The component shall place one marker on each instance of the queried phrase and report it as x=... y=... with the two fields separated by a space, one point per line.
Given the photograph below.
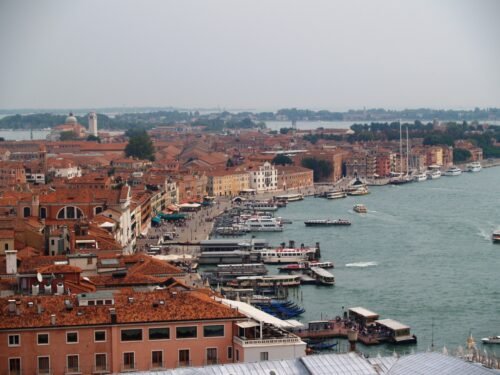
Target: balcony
x=212 y=361
x=44 y=371
x=184 y=364
x=72 y=370
x=102 y=369
x=155 y=366
x=129 y=367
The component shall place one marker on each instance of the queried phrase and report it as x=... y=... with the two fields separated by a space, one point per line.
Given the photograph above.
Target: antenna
x=39 y=277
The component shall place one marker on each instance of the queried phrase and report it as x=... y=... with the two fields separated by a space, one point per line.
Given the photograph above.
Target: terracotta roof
x=58 y=268
x=6 y=234
x=154 y=267
x=182 y=306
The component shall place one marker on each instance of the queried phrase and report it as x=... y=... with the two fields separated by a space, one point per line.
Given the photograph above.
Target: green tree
x=140 y=146
x=68 y=136
x=460 y=155
x=93 y=138
x=321 y=168
x=282 y=160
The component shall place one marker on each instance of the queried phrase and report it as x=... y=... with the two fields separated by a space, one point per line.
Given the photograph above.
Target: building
x=294 y=177
x=227 y=182
x=93 y=124
x=263 y=177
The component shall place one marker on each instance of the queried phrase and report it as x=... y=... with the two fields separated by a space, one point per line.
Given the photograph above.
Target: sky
x=255 y=55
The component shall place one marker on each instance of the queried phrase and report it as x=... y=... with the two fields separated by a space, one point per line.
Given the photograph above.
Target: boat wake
x=362 y=264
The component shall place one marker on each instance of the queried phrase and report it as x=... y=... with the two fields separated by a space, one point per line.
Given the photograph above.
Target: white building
x=264 y=178
x=93 y=124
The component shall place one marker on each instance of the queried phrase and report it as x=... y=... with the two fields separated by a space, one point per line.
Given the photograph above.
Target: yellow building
x=227 y=182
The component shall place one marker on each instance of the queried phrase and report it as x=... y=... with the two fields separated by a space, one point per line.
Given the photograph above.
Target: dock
x=336 y=330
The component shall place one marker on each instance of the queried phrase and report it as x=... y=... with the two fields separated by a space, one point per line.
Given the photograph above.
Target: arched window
x=43 y=213
x=26 y=211
x=98 y=210
x=69 y=212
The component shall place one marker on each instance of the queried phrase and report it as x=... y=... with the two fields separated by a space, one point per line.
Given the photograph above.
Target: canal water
x=422 y=255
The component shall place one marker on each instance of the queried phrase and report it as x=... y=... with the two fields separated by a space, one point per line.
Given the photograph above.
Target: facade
x=264 y=177
x=227 y=182
x=12 y=173
x=294 y=177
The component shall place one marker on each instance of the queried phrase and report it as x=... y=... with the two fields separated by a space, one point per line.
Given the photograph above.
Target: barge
x=326 y=222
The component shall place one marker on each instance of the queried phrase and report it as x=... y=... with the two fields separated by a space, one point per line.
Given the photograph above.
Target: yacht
x=420 y=177
x=491 y=340
x=262 y=224
x=453 y=171
x=475 y=166
x=336 y=195
x=360 y=208
x=495 y=237
x=433 y=174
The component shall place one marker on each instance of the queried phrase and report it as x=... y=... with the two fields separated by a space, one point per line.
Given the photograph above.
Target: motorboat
x=453 y=171
x=336 y=195
x=475 y=166
x=359 y=191
x=420 y=177
x=491 y=340
x=360 y=208
x=326 y=222
x=400 y=180
x=262 y=224
x=290 y=197
x=434 y=174
x=286 y=255
x=495 y=237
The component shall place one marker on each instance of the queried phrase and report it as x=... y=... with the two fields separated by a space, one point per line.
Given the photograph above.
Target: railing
x=103 y=369
x=129 y=367
x=284 y=340
x=184 y=364
x=213 y=361
x=44 y=371
x=157 y=366
x=72 y=370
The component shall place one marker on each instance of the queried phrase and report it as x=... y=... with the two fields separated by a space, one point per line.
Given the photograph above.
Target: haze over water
x=423 y=252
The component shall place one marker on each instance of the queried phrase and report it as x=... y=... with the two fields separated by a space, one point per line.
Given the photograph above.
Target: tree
x=229 y=163
x=68 y=136
x=321 y=168
x=282 y=160
x=140 y=146
x=93 y=138
x=461 y=154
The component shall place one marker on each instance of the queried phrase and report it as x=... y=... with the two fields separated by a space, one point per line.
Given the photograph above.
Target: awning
x=248 y=324
x=172 y=207
x=189 y=205
x=156 y=220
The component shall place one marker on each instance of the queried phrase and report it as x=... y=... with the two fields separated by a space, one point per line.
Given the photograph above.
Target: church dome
x=71 y=120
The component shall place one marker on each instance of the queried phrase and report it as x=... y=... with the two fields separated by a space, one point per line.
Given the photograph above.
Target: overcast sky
x=250 y=54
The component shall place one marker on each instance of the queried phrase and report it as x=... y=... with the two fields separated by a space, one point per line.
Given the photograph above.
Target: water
x=421 y=253
x=23 y=135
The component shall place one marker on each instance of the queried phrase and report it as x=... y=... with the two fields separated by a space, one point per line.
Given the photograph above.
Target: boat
x=360 y=208
x=290 y=197
x=262 y=224
x=261 y=206
x=266 y=281
x=321 y=345
x=336 y=195
x=287 y=255
x=453 y=171
x=400 y=180
x=326 y=222
x=359 y=191
x=433 y=174
x=495 y=237
x=395 y=332
x=475 y=166
x=491 y=340
x=420 y=177
x=322 y=276
x=302 y=266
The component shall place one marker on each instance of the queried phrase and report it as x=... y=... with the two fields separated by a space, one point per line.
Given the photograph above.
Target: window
x=69 y=212
x=71 y=337
x=99 y=336
x=237 y=355
x=264 y=356
x=43 y=365
x=184 y=357
x=129 y=361
x=14 y=366
x=211 y=356
x=43 y=339
x=101 y=362
x=14 y=340
x=43 y=213
x=229 y=352
x=6 y=246
x=131 y=334
x=157 y=359
x=26 y=211
x=213 y=331
x=72 y=363
x=161 y=333
x=186 y=332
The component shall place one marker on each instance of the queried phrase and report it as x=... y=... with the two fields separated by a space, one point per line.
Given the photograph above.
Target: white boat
x=336 y=195
x=453 y=171
x=495 y=237
x=290 y=197
x=262 y=206
x=434 y=174
x=475 y=166
x=420 y=177
x=360 y=208
x=286 y=255
x=262 y=224
x=491 y=340
x=322 y=276
x=359 y=191
x=265 y=281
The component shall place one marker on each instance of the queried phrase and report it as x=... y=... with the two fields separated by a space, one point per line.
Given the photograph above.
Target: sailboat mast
x=400 y=150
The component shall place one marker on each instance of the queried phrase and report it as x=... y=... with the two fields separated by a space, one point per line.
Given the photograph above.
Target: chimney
x=12 y=306
x=11 y=261
x=112 y=313
x=53 y=319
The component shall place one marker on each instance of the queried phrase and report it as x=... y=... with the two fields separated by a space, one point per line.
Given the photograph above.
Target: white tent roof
x=189 y=205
